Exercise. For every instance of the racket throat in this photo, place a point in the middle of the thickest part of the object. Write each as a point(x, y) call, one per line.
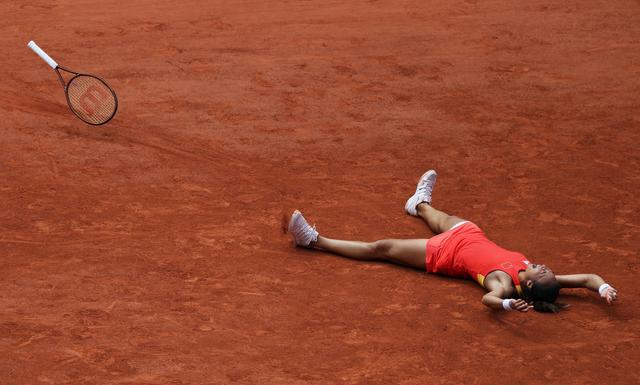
point(64, 83)
point(61, 79)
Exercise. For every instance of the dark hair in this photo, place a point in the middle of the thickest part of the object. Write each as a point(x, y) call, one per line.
point(543, 295)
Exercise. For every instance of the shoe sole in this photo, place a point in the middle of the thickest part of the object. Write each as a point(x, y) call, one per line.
point(293, 216)
point(417, 184)
point(296, 214)
point(424, 176)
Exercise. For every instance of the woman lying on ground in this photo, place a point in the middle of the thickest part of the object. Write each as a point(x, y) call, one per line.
point(460, 249)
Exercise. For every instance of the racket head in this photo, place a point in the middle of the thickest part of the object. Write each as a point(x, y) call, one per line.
point(91, 99)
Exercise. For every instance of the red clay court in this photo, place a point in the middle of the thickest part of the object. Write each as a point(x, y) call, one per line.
point(151, 250)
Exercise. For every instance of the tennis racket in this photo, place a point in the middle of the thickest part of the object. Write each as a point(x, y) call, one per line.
point(88, 96)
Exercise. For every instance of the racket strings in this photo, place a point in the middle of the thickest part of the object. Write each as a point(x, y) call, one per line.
point(91, 99)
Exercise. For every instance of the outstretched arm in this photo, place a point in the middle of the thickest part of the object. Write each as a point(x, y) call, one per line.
point(589, 281)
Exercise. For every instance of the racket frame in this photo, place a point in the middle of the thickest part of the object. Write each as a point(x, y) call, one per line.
point(66, 93)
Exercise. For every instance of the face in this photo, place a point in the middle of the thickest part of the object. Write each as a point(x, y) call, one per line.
point(536, 272)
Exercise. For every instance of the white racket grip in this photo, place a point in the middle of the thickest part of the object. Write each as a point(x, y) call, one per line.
point(32, 44)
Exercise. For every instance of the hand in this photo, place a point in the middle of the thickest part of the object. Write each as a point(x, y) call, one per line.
point(610, 295)
point(520, 305)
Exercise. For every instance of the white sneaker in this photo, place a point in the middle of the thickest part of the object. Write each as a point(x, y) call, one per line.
point(303, 234)
point(423, 192)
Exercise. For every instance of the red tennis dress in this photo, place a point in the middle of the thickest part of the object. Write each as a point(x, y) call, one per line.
point(465, 251)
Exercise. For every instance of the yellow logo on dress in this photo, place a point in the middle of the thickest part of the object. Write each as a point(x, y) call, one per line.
point(519, 290)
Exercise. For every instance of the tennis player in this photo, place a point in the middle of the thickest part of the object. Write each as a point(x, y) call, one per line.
point(460, 249)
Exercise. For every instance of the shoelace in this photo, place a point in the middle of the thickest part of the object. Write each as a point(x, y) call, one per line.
point(426, 188)
point(306, 231)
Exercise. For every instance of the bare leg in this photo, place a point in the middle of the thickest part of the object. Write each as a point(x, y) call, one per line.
point(438, 221)
point(407, 252)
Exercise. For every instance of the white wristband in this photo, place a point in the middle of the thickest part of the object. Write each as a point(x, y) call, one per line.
point(506, 304)
point(603, 288)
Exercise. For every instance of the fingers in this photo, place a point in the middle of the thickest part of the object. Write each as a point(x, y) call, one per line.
point(520, 305)
point(611, 295)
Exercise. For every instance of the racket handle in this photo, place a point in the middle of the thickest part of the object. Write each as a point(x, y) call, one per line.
point(43, 55)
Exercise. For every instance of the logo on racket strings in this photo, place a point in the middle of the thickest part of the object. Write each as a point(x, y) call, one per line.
point(91, 98)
